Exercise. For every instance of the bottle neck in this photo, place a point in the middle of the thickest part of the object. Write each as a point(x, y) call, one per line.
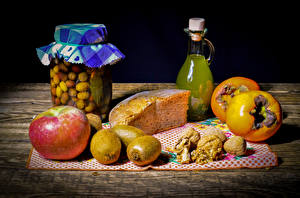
point(195, 43)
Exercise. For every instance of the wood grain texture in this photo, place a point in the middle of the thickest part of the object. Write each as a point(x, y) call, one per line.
point(20, 102)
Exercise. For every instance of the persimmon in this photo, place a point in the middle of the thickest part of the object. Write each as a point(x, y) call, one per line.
point(254, 115)
point(226, 90)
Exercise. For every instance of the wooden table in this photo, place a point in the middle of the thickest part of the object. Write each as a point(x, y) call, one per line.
point(20, 102)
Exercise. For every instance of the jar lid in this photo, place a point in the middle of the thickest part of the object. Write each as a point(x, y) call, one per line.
point(80, 33)
point(196, 24)
point(81, 44)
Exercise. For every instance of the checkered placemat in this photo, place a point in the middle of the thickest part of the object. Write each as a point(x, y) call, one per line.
point(258, 155)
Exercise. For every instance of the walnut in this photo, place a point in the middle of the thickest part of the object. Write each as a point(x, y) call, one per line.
point(236, 145)
point(94, 120)
point(215, 131)
point(187, 141)
point(209, 149)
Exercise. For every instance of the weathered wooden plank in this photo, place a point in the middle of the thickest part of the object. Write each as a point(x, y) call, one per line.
point(286, 94)
point(291, 88)
point(149, 184)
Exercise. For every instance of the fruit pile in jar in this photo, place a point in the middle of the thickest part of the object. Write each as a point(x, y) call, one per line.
point(70, 85)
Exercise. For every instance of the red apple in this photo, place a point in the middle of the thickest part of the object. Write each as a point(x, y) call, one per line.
point(60, 133)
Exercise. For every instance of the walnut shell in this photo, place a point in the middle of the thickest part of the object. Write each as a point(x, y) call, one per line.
point(187, 141)
point(215, 131)
point(236, 145)
point(94, 120)
point(209, 149)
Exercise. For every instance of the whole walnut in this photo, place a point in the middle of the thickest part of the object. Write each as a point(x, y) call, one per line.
point(94, 120)
point(236, 145)
point(215, 131)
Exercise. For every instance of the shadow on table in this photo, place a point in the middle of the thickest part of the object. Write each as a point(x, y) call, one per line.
point(287, 133)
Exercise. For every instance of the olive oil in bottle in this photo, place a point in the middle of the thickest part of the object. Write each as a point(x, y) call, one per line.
point(195, 74)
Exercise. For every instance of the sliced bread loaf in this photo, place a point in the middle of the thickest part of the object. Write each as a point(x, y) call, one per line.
point(152, 111)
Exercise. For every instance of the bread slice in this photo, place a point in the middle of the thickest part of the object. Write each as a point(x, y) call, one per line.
point(152, 111)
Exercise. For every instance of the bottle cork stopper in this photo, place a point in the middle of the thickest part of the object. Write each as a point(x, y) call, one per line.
point(196, 24)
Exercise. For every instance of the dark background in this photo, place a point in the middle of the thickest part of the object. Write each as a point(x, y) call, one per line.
point(252, 40)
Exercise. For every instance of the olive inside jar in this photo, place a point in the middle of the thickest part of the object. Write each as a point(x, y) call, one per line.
point(79, 62)
point(88, 89)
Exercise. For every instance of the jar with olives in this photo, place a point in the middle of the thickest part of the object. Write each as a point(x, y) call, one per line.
point(89, 89)
point(79, 63)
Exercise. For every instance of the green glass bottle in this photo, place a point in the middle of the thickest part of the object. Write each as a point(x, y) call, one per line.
point(195, 74)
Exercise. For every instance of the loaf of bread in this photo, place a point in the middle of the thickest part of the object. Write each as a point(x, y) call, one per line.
point(152, 111)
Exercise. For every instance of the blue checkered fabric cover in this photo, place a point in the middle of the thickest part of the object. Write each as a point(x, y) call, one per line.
point(81, 43)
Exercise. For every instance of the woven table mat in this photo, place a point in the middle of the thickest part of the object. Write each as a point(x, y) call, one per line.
point(258, 155)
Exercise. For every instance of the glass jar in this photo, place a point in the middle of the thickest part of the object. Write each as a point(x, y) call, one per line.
point(88, 89)
point(79, 62)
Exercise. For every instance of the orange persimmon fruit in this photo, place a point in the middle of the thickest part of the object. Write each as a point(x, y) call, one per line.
point(254, 115)
point(226, 90)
